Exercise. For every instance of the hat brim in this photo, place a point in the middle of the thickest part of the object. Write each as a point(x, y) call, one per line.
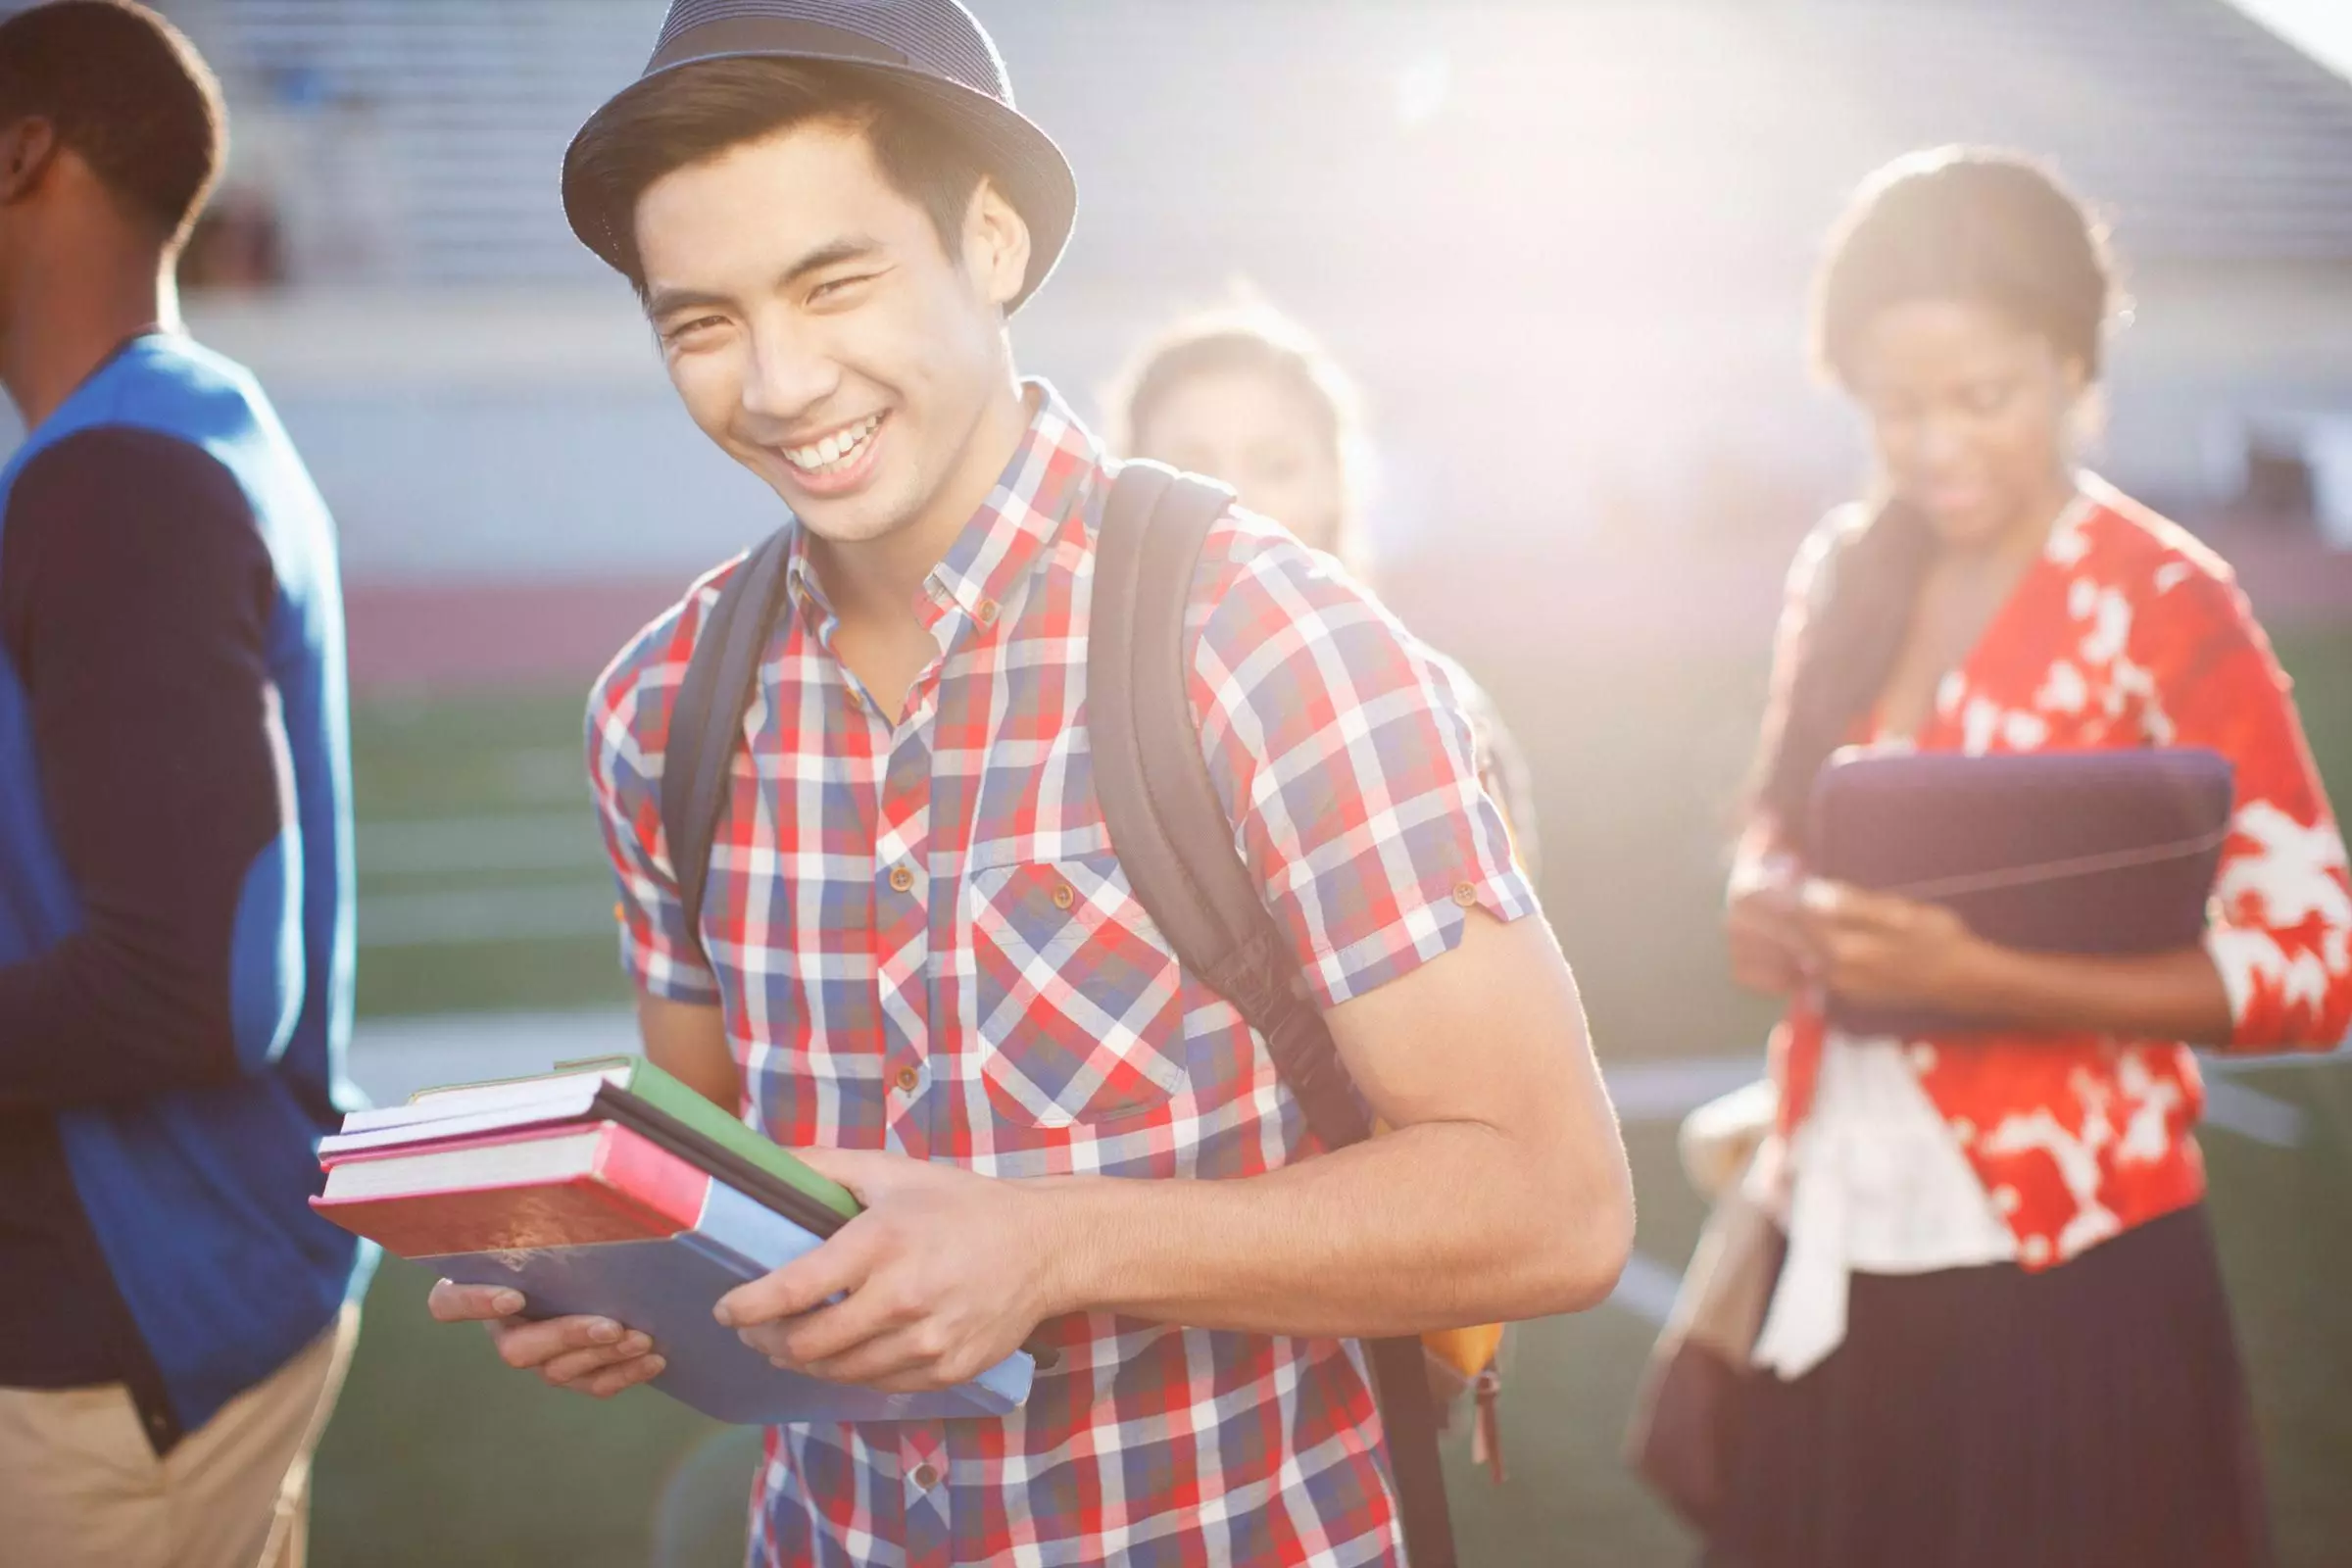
point(1021, 159)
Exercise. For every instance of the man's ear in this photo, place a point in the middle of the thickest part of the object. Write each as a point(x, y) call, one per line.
point(27, 147)
point(995, 244)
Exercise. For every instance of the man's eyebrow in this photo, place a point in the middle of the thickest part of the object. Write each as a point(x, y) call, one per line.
point(663, 301)
point(833, 253)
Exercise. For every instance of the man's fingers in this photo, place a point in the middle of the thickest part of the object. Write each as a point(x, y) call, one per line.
point(574, 1365)
point(832, 1331)
point(900, 1361)
point(863, 1171)
point(451, 1303)
point(534, 1345)
point(803, 1284)
point(618, 1379)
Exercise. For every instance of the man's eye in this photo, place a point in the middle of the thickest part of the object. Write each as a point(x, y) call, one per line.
point(833, 288)
point(697, 323)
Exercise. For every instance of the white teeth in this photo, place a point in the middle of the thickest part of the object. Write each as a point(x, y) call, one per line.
point(833, 448)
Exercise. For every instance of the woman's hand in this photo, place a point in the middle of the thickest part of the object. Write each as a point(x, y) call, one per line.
point(1766, 929)
point(1878, 950)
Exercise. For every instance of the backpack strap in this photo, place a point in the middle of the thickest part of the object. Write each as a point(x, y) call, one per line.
point(705, 720)
point(1176, 845)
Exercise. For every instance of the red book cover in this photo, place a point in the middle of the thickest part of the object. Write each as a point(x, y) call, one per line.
point(632, 1191)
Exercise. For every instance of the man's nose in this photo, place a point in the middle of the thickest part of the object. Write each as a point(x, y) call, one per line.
point(789, 375)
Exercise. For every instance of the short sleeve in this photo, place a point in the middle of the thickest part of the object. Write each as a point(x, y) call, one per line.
point(1344, 755)
point(629, 724)
point(2282, 935)
point(1501, 769)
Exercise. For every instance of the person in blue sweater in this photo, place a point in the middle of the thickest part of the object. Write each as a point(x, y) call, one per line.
point(176, 889)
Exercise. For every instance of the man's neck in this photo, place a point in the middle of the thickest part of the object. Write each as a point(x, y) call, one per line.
point(73, 311)
point(882, 578)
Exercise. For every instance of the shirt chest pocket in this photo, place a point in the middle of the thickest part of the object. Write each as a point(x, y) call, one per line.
point(1077, 998)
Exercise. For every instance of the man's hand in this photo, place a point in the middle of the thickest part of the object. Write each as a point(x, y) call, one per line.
point(1877, 950)
point(594, 1355)
point(945, 1274)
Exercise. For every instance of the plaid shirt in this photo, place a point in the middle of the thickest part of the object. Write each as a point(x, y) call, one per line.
point(922, 941)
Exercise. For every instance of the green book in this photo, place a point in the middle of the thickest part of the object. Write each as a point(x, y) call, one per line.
point(628, 1090)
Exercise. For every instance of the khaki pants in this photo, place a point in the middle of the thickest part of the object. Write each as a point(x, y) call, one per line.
point(80, 1487)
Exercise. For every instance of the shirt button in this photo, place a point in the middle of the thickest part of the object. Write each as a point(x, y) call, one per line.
point(1064, 895)
point(907, 1079)
point(988, 611)
point(925, 1477)
point(1465, 894)
point(901, 878)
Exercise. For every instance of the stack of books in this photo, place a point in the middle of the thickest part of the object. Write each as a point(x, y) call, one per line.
point(609, 1188)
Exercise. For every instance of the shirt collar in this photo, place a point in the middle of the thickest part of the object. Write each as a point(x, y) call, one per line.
point(1043, 484)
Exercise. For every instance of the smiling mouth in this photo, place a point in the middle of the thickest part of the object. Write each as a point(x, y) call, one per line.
point(835, 453)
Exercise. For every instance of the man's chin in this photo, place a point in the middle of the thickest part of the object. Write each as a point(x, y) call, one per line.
point(842, 520)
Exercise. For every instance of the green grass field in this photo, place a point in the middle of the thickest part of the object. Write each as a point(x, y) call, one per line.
point(475, 821)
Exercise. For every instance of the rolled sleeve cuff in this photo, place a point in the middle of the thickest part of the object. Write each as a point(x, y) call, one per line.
point(1429, 928)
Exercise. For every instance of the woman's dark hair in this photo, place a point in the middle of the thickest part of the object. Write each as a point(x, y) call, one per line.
point(128, 94)
point(1987, 228)
point(696, 112)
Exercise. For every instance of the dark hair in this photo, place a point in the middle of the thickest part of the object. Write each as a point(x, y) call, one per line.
point(698, 110)
point(1252, 338)
point(1993, 228)
point(128, 93)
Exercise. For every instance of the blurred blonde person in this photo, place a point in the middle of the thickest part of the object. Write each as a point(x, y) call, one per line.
point(1246, 396)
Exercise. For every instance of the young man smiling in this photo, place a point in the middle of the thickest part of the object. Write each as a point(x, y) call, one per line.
point(919, 958)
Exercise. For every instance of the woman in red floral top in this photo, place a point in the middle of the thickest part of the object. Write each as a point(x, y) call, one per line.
point(1997, 1332)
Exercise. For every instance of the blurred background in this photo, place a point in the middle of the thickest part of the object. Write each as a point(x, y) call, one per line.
point(1565, 245)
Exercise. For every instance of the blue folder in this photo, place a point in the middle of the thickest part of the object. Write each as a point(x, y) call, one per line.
point(2090, 851)
point(668, 1286)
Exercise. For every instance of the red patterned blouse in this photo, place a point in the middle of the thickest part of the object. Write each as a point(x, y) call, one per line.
point(2126, 632)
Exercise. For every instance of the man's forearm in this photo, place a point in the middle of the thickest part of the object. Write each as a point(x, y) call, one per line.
point(1432, 1226)
point(689, 1042)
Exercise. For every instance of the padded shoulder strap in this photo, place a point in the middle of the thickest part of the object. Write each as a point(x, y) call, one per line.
point(705, 720)
point(1166, 821)
point(1176, 845)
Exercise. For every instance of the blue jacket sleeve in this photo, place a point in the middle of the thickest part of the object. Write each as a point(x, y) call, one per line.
point(136, 602)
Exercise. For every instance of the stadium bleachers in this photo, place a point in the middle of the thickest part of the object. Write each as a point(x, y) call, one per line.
point(1728, 126)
